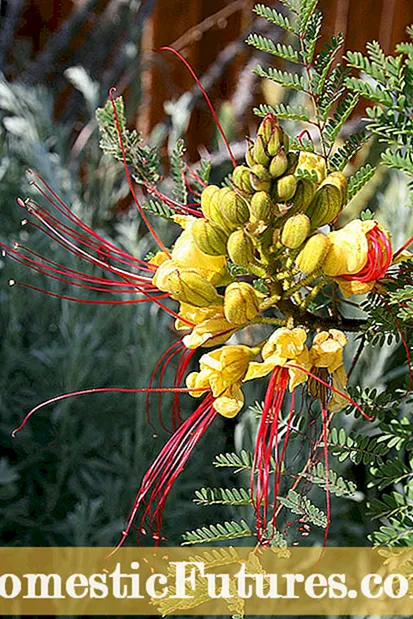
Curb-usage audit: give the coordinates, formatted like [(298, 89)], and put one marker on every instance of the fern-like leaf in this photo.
[(284, 112), (265, 44), (218, 533), (301, 505), (274, 17), (284, 78), (359, 179), (222, 496), (179, 191)]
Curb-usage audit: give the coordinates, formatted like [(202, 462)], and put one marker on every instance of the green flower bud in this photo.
[(249, 155), (216, 213), (295, 231), (261, 207), (241, 303), (313, 254), (206, 199), (292, 158), (260, 178), (268, 126), (304, 194), (278, 164), (275, 142), (326, 205), (286, 188), (235, 208), (241, 179), (210, 238), (338, 180), (187, 286), (240, 248), (260, 152)]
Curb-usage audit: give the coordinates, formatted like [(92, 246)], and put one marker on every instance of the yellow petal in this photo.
[(212, 332), (230, 402), (337, 402)]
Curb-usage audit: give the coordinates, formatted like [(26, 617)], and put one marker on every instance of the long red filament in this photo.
[(331, 388), (129, 179), (72, 394), (379, 258), (161, 475), (206, 96)]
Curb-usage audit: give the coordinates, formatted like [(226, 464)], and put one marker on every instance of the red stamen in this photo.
[(403, 247), (337, 391), (128, 176), (72, 394), (379, 258), (207, 99), (161, 475), (327, 471)]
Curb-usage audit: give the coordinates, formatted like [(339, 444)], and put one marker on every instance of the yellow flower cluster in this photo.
[(259, 254), (223, 371)]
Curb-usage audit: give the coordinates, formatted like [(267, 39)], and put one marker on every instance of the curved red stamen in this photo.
[(161, 475), (403, 247), (207, 99), (266, 444), (331, 388), (72, 394), (379, 257), (128, 176)]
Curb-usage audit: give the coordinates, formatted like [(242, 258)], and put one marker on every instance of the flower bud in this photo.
[(216, 213), (286, 188), (278, 164), (240, 248), (259, 151), (326, 205), (210, 237), (187, 286), (313, 254), (241, 303), (268, 126), (241, 179), (249, 155), (261, 207), (206, 199), (304, 194), (295, 231), (311, 162), (260, 178), (235, 208), (338, 180), (275, 141), (292, 159)]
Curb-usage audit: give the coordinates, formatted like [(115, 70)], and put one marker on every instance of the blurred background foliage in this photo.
[(69, 478)]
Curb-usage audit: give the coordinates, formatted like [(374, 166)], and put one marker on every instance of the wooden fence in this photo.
[(208, 33)]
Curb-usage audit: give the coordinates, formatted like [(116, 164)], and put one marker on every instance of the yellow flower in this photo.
[(158, 258), (210, 332), (327, 353), (349, 249), (186, 254), (164, 270), (284, 347), (196, 315), (327, 350), (222, 372), (359, 255)]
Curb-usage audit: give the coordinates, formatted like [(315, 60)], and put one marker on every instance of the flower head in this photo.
[(326, 354), (283, 347), (360, 254), (222, 372)]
